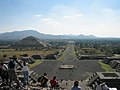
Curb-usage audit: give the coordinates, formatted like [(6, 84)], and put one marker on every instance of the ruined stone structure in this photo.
[(112, 79)]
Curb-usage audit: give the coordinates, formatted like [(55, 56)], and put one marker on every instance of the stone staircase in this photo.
[(34, 85)]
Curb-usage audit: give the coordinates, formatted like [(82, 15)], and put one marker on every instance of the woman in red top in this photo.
[(54, 82)]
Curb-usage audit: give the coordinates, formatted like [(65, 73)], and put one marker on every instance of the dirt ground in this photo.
[(82, 69)]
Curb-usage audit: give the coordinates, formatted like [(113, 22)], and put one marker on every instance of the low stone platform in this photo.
[(66, 67)]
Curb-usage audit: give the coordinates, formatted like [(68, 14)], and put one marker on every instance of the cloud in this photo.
[(50, 21), (53, 23), (46, 19), (73, 16), (68, 17), (108, 11), (100, 25), (38, 15), (79, 15)]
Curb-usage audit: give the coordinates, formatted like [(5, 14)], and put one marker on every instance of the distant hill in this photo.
[(31, 41), (18, 35)]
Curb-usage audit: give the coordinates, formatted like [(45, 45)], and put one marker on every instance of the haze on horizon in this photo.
[(89, 17)]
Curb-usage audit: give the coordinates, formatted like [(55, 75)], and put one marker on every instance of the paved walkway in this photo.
[(81, 71)]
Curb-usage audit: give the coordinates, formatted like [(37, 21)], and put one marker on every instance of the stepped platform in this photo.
[(66, 67), (112, 79)]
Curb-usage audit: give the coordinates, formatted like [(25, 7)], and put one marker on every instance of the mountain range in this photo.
[(18, 35)]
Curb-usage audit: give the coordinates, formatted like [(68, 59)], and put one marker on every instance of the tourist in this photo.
[(101, 86), (76, 86), (98, 85), (11, 72), (43, 80), (1, 70), (25, 71), (4, 73), (104, 86), (54, 82)]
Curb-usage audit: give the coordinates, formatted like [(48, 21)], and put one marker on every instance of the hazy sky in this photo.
[(96, 17)]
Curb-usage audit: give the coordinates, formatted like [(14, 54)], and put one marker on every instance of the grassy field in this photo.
[(17, 53), (106, 67), (12, 52)]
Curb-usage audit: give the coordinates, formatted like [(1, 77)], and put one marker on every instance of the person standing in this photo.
[(4, 74), (76, 86), (12, 72), (104, 86), (25, 71), (1, 70), (101, 86), (98, 85)]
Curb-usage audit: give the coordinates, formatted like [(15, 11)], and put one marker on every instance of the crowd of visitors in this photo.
[(8, 75)]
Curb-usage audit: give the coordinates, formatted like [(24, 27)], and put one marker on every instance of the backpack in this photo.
[(11, 65)]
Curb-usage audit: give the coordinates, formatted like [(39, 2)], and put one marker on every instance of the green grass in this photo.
[(63, 55), (66, 52), (37, 62), (106, 67)]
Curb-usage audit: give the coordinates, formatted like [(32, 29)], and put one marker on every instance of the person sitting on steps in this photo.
[(76, 86), (54, 82), (43, 80)]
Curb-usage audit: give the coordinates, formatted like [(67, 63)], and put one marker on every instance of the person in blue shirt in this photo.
[(76, 86)]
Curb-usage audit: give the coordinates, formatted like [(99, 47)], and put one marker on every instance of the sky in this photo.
[(89, 17)]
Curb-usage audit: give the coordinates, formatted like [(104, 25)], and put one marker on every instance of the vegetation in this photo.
[(69, 50), (97, 47), (103, 47), (11, 52), (106, 67)]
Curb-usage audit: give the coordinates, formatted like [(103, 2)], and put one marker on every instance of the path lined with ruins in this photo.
[(82, 68)]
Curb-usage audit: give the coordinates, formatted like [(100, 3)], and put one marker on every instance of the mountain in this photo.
[(18, 35)]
